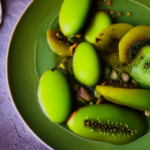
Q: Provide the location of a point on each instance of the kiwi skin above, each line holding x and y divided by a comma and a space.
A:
133, 42
108, 123
107, 41
127, 95
58, 43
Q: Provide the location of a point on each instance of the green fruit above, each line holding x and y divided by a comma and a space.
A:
58, 43
137, 38
55, 96
140, 70
125, 94
108, 123
86, 65
107, 41
100, 21
134, 48
73, 15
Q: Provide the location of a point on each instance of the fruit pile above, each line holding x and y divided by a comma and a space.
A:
101, 85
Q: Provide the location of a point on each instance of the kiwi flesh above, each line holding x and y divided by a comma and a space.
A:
133, 42
126, 94
140, 67
107, 41
59, 43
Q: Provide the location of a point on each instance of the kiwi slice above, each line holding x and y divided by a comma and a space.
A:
59, 43
107, 41
140, 67
133, 42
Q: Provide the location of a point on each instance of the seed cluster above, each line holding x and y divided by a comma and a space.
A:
61, 38
134, 47
108, 127
120, 84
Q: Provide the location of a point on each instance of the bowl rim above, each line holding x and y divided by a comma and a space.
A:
8, 86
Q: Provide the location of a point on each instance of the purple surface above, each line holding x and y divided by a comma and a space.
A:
14, 134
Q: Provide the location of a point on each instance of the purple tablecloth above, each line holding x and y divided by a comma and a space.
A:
14, 135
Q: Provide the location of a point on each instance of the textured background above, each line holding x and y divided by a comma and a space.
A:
14, 135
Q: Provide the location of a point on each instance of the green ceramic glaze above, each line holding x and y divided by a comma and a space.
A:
29, 56
86, 64
73, 15
55, 102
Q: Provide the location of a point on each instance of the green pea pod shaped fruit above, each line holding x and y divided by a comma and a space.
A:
108, 123
73, 15
86, 64
128, 96
55, 96
100, 21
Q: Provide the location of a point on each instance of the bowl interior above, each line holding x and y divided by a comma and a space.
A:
29, 56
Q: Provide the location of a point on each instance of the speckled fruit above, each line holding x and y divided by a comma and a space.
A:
86, 65
108, 123
55, 96
100, 21
73, 15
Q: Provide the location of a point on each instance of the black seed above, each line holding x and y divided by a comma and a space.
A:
142, 57
97, 40
124, 64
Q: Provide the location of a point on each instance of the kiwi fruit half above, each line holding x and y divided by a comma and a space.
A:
58, 43
133, 42
140, 67
107, 41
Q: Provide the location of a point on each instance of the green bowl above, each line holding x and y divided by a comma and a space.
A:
29, 56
